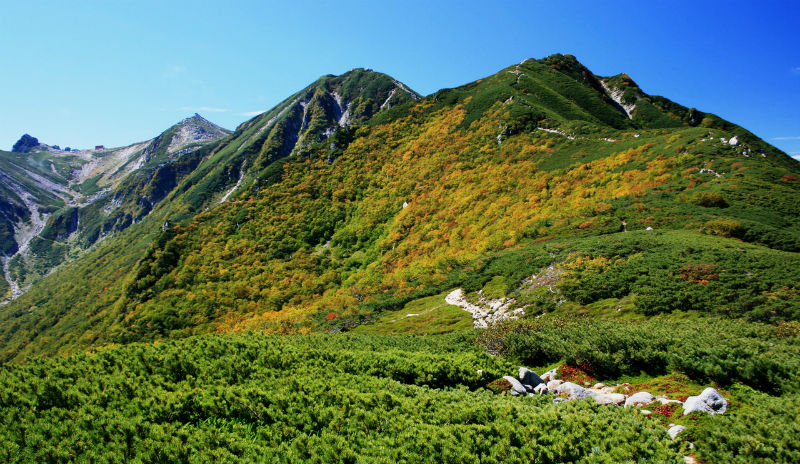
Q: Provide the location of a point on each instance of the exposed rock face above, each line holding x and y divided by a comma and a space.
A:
25, 144
194, 129
487, 311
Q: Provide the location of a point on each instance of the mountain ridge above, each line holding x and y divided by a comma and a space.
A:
49, 191
314, 217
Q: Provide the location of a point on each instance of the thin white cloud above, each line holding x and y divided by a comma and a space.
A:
794, 137
796, 71
252, 113
173, 71
207, 109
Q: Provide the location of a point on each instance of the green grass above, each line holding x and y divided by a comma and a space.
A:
89, 186
425, 316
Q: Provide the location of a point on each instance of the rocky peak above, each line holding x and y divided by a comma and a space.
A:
25, 144
195, 129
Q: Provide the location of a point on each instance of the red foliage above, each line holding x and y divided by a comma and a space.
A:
331, 316
666, 410
576, 375
789, 178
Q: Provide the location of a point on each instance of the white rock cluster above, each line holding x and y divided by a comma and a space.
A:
487, 311
530, 384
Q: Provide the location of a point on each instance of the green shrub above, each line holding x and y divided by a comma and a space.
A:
709, 199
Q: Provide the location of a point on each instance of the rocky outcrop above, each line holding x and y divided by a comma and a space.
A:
487, 311
25, 144
709, 401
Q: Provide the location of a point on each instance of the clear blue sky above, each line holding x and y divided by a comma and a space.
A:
84, 73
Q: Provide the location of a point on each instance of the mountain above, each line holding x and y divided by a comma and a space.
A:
56, 203
354, 196
541, 216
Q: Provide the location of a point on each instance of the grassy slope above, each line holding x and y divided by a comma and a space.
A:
425, 316
260, 261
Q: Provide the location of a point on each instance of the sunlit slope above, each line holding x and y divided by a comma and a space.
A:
501, 177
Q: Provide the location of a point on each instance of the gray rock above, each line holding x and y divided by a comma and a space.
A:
665, 400
712, 398
607, 398
549, 375
516, 387
709, 401
573, 391
529, 377
553, 384
694, 403
639, 399
675, 430
541, 389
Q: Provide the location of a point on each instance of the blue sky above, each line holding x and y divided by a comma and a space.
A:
113, 73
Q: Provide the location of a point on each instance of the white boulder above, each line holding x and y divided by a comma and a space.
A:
709, 401
553, 384
516, 387
712, 398
549, 375
675, 430
607, 398
540, 389
572, 390
639, 399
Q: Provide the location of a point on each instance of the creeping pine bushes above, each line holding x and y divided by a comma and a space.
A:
253, 398
724, 351
742, 357
766, 431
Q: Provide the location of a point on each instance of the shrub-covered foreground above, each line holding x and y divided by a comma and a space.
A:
719, 350
367, 398
256, 398
752, 361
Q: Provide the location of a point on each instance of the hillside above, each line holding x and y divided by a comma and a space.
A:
535, 166
541, 216
57, 203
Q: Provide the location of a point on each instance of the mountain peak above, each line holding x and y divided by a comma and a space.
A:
194, 129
